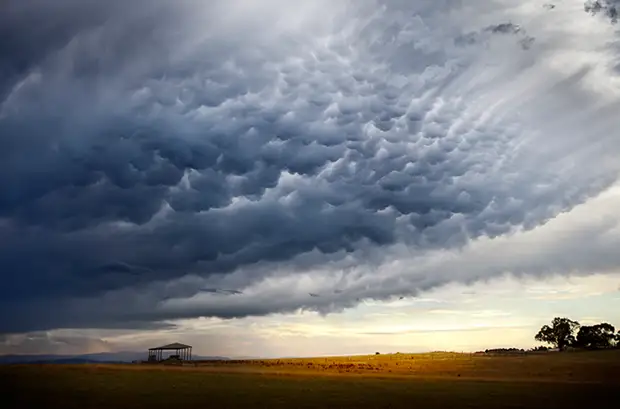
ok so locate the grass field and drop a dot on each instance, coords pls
(438, 380)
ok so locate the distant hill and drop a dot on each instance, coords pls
(104, 357)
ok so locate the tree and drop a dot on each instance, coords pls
(596, 336)
(559, 334)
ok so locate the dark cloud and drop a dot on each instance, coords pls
(140, 146)
(504, 28)
(49, 343)
(474, 37)
(608, 8)
(221, 291)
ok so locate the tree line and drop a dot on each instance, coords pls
(564, 333)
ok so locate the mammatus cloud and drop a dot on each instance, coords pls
(149, 158)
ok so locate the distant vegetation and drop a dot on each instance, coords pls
(512, 351)
(504, 351)
(564, 333)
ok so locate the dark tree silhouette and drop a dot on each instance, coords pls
(596, 336)
(559, 334)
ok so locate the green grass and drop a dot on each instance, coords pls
(277, 386)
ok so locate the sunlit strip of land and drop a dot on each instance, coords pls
(577, 366)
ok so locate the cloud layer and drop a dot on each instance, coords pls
(148, 156)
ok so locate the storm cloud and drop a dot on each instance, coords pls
(204, 148)
(482, 35)
(608, 8)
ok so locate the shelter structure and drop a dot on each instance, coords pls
(182, 352)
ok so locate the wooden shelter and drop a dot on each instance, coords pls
(182, 352)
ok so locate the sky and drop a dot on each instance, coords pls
(283, 178)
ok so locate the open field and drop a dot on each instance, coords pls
(580, 366)
(441, 380)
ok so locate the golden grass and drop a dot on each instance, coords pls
(437, 380)
(579, 366)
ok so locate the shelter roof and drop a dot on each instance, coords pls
(174, 345)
